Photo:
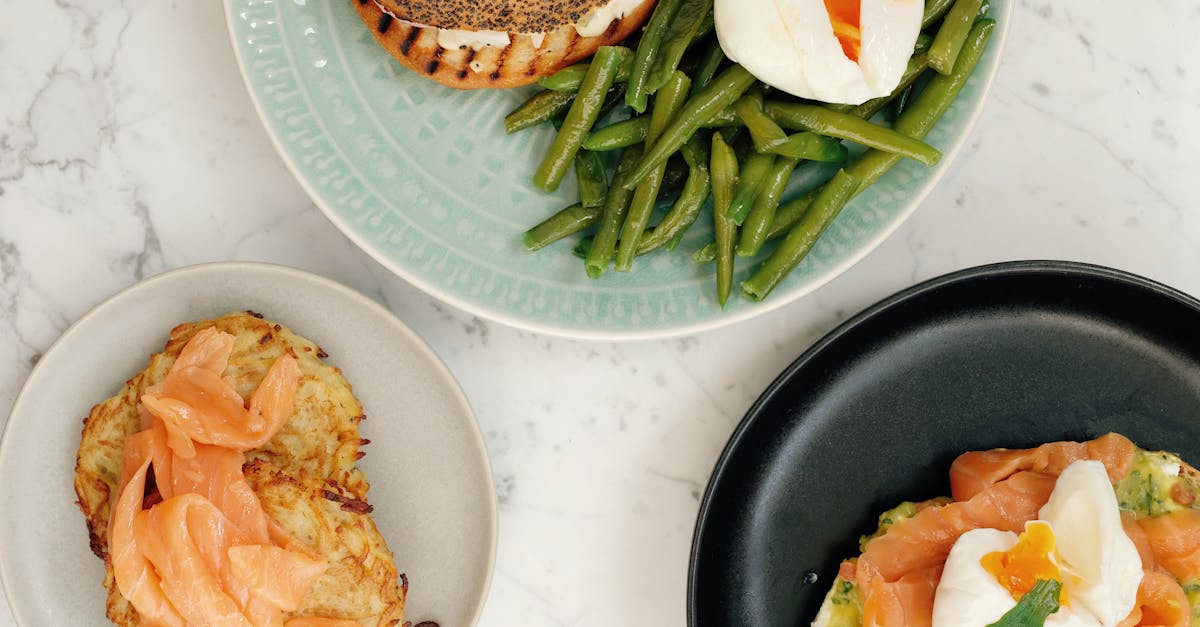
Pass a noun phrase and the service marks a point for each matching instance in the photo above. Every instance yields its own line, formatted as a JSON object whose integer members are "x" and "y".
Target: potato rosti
{"x": 305, "y": 476}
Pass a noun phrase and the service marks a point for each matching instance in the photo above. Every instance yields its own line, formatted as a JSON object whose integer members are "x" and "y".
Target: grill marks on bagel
{"x": 519, "y": 63}
{"x": 523, "y": 16}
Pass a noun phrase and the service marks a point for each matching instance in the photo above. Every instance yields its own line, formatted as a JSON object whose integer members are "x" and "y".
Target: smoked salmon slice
{"x": 973, "y": 472}
{"x": 203, "y": 551}
{"x": 1175, "y": 540}
{"x": 898, "y": 572}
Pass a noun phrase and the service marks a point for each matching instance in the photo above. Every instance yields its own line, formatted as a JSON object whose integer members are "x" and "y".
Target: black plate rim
{"x": 882, "y": 308}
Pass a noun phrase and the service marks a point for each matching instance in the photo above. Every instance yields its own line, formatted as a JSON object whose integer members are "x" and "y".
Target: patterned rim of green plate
{"x": 424, "y": 179}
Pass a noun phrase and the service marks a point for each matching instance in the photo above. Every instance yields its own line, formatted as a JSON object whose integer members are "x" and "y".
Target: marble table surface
{"x": 128, "y": 146}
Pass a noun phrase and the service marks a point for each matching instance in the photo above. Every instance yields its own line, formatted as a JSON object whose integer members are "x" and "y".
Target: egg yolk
{"x": 1020, "y": 567}
{"x": 844, "y": 15}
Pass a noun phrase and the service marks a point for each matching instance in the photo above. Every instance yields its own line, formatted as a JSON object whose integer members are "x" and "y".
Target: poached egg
{"x": 839, "y": 51}
{"x": 1077, "y": 539}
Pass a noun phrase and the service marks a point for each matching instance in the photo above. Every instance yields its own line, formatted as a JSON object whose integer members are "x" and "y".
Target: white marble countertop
{"x": 128, "y": 146}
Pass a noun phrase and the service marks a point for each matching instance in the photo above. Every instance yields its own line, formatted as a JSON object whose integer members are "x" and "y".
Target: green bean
{"x": 762, "y": 214}
{"x": 583, "y": 114}
{"x": 752, "y": 174}
{"x": 673, "y": 178}
{"x": 802, "y": 237}
{"x": 917, "y": 65}
{"x": 583, "y": 247}
{"x": 820, "y": 120}
{"x": 934, "y": 10}
{"x": 687, "y": 207}
{"x": 724, "y": 172}
{"x": 571, "y": 77}
{"x": 648, "y": 48}
{"x": 764, "y": 132}
{"x": 567, "y": 222}
{"x": 724, "y": 90}
{"x": 593, "y": 182}
{"x": 614, "y": 98}
{"x": 709, "y": 63}
{"x": 633, "y": 131}
{"x": 925, "y": 110}
{"x": 923, "y": 43}
{"x": 950, "y": 37}
{"x": 898, "y": 104}
{"x": 615, "y": 207}
{"x": 811, "y": 147}
{"x": 935, "y": 99}
{"x": 679, "y": 36}
{"x": 618, "y": 135}
{"x": 724, "y": 117}
{"x": 790, "y": 212}
{"x": 540, "y": 108}
{"x": 706, "y": 28}
{"x": 667, "y": 102}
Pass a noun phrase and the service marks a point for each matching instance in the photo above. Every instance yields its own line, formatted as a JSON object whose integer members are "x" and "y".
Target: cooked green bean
{"x": 724, "y": 91}
{"x": 752, "y": 173}
{"x": 790, "y": 212}
{"x": 950, "y": 37}
{"x": 811, "y": 147}
{"x": 709, "y": 63}
{"x": 935, "y": 99}
{"x": 583, "y": 114}
{"x": 706, "y": 28}
{"x": 722, "y": 118}
{"x": 673, "y": 179}
{"x": 633, "y": 131}
{"x": 569, "y": 78}
{"x": 593, "y": 181}
{"x": 687, "y": 207}
{"x": 925, "y": 110}
{"x": 762, "y": 214}
{"x": 802, "y": 237}
{"x": 923, "y": 43}
{"x": 539, "y": 109}
{"x": 648, "y": 48}
{"x": 679, "y": 36}
{"x": 667, "y": 102}
{"x": 583, "y": 247}
{"x": 820, "y": 120}
{"x": 934, "y": 10}
{"x": 615, "y": 97}
{"x": 615, "y": 207}
{"x": 917, "y": 65}
{"x": 898, "y": 104}
{"x": 764, "y": 132}
{"x": 724, "y": 172}
{"x": 618, "y": 135}
{"x": 567, "y": 222}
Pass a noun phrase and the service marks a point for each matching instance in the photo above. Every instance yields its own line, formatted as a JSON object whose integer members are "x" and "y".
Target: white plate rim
{"x": 441, "y": 369}
{"x": 1003, "y": 21}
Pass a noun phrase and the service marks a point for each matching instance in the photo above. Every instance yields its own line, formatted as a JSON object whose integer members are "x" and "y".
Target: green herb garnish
{"x": 1033, "y": 608}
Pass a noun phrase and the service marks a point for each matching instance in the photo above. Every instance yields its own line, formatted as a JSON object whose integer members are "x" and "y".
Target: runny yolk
{"x": 847, "y": 26}
{"x": 1020, "y": 567}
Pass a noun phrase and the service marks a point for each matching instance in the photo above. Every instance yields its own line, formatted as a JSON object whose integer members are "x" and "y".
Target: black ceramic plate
{"x": 1008, "y": 355}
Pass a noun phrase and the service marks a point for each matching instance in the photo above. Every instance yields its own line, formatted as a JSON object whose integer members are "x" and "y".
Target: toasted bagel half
{"x": 521, "y": 62}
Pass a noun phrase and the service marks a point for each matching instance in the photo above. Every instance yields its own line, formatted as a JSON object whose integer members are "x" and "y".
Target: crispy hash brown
{"x": 305, "y": 476}
{"x": 520, "y": 63}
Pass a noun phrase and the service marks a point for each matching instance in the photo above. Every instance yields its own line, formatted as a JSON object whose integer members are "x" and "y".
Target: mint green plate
{"x": 425, "y": 180}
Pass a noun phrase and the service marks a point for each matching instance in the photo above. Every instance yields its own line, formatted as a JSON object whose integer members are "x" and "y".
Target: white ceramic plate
{"x": 432, "y": 486}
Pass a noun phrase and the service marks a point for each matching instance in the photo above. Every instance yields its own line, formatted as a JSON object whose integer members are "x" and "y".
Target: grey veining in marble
{"x": 128, "y": 146}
